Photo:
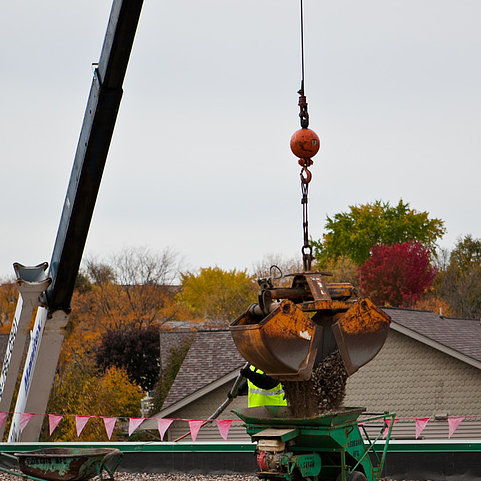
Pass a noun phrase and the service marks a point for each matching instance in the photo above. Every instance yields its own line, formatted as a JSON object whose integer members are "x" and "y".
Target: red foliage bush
{"x": 397, "y": 275}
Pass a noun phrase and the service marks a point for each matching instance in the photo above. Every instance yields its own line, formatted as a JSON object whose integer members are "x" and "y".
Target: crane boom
{"x": 92, "y": 149}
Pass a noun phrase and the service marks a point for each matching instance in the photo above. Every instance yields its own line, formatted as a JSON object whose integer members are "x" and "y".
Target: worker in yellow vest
{"x": 263, "y": 390}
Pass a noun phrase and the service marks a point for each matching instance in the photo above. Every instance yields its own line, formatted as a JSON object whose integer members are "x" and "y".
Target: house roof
{"x": 170, "y": 341}
{"x": 213, "y": 358}
{"x": 450, "y": 335}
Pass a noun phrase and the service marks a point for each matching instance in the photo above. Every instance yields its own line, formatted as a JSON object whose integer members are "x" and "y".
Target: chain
{"x": 306, "y": 250}
{"x": 305, "y": 174}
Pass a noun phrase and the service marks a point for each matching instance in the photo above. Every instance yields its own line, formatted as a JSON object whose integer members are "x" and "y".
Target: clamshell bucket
{"x": 360, "y": 334}
{"x": 288, "y": 342}
{"x": 283, "y": 344}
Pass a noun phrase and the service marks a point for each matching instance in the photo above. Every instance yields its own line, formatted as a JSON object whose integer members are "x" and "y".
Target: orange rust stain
{"x": 364, "y": 317}
{"x": 288, "y": 322}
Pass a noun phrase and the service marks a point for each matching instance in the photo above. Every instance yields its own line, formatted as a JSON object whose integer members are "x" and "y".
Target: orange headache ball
{"x": 305, "y": 143}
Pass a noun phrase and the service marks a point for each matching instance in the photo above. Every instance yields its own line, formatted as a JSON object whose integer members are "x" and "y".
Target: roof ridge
{"x": 408, "y": 309}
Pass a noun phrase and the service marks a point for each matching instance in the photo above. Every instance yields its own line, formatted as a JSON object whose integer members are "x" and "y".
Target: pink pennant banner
{"x": 224, "y": 425}
{"x": 53, "y": 420}
{"x": 195, "y": 425}
{"x": 421, "y": 424}
{"x": 453, "y": 423}
{"x": 134, "y": 423}
{"x": 80, "y": 422}
{"x": 386, "y": 429}
{"x": 3, "y": 416}
{"x": 24, "y": 420}
{"x": 162, "y": 426}
{"x": 109, "y": 424}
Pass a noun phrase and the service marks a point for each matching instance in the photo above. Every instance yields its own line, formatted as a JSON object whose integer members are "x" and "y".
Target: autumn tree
{"x": 136, "y": 350}
{"x": 82, "y": 390}
{"x": 397, "y": 275}
{"x": 286, "y": 265}
{"x": 131, "y": 288}
{"x": 354, "y": 233}
{"x": 459, "y": 284}
{"x": 217, "y": 295}
{"x": 434, "y": 303}
{"x": 98, "y": 272}
{"x": 275, "y": 265}
{"x": 8, "y": 302}
{"x": 341, "y": 269}
{"x": 127, "y": 292}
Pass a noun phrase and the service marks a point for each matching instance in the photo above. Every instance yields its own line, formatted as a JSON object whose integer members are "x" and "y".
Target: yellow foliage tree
{"x": 8, "y": 301}
{"x": 434, "y": 304}
{"x": 342, "y": 269}
{"x": 81, "y": 391}
{"x": 217, "y": 295}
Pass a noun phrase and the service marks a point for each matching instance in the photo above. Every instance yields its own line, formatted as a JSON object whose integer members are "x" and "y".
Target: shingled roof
{"x": 212, "y": 356}
{"x": 460, "y": 335}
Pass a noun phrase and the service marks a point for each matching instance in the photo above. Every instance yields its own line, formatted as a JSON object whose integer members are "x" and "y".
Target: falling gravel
{"x": 323, "y": 392}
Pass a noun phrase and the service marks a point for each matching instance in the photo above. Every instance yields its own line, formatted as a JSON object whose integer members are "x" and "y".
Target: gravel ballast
{"x": 172, "y": 477}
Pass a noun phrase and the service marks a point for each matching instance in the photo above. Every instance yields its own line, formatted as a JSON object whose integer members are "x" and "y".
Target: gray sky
{"x": 200, "y": 157}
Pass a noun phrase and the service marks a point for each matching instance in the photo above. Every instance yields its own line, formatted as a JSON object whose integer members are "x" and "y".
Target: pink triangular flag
{"x": 223, "y": 425}
{"x": 420, "y": 425}
{"x": 80, "y": 422}
{"x": 134, "y": 423}
{"x": 388, "y": 422}
{"x": 53, "y": 420}
{"x": 24, "y": 419}
{"x": 453, "y": 424}
{"x": 195, "y": 425}
{"x": 109, "y": 424}
{"x": 3, "y": 416}
{"x": 162, "y": 426}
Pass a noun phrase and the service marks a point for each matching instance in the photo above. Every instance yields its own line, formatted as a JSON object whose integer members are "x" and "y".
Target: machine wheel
{"x": 354, "y": 476}
{"x": 357, "y": 476}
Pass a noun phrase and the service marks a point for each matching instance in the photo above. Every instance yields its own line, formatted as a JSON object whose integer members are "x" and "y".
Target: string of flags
{"x": 223, "y": 425}
{"x": 421, "y": 423}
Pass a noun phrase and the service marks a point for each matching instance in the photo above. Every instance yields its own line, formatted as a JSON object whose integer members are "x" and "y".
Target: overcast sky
{"x": 200, "y": 157}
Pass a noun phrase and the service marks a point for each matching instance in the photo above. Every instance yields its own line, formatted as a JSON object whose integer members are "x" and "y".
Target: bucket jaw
{"x": 293, "y": 329}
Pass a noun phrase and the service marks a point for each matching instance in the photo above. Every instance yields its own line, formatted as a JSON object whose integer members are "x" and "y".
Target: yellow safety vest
{"x": 264, "y": 397}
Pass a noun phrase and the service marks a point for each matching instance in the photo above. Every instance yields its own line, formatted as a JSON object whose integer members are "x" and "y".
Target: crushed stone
{"x": 323, "y": 392}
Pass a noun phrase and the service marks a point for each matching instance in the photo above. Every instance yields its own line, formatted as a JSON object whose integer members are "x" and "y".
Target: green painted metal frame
{"x": 395, "y": 446}
{"x": 346, "y": 435}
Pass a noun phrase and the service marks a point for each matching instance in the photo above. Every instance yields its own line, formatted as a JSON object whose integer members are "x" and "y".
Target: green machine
{"x": 328, "y": 447}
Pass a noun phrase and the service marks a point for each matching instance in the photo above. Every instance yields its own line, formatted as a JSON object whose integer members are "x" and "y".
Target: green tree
{"x": 466, "y": 253}
{"x": 217, "y": 295}
{"x": 460, "y": 283}
{"x": 354, "y": 233}
{"x": 168, "y": 374}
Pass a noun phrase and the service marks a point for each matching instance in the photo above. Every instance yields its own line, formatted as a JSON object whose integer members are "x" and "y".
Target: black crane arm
{"x": 92, "y": 149}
